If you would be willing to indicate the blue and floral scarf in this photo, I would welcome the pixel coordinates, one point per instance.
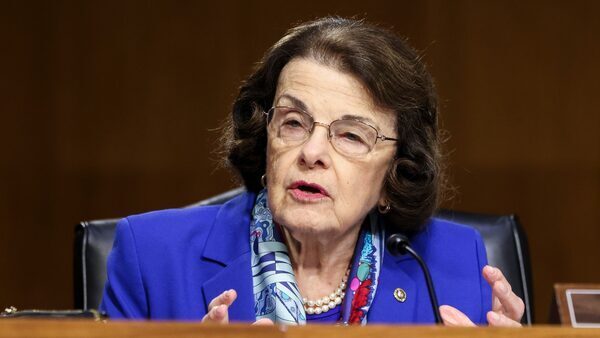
(276, 294)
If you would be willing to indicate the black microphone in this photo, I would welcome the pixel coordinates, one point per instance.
(398, 244)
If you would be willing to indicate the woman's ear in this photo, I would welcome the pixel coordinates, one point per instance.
(383, 205)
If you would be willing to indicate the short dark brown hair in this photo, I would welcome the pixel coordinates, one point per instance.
(396, 79)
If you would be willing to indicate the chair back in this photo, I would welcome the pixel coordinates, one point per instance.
(503, 236)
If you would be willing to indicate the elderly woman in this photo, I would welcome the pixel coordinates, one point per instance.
(335, 138)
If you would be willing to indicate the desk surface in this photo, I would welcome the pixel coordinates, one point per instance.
(85, 328)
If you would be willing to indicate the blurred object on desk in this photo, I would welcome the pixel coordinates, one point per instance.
(576, 305)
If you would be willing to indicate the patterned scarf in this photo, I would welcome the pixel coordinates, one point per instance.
(276, 294)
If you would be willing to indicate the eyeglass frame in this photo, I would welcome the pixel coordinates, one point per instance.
(378, 137)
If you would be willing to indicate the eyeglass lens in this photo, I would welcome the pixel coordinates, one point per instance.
(349, 137)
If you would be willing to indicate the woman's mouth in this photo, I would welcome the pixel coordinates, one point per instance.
(305, 191)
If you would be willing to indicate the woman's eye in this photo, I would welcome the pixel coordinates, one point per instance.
(293, 123)
(352, 137)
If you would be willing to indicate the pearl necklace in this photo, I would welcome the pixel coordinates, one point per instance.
(327, 303)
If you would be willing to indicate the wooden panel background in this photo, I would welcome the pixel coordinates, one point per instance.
(109, 108)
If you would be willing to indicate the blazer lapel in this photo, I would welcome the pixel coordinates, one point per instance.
(229, 245)
(404, 273)
(237, 276)
(385, 307)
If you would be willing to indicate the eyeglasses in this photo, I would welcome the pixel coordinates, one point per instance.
(349, 137)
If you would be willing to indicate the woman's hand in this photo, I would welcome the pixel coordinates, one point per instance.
(507, 308)
(218, 309)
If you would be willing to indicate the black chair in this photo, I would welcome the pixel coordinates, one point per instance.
(504, 239)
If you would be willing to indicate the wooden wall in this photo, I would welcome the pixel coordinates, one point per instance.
(109, 108)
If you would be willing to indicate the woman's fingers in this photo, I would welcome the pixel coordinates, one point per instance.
(496, 319)
(218, 308)
(263, 321)
(507, 308)
(512, 306)
(453, 317)
(504, 301)
(218, 314)
(226, 298)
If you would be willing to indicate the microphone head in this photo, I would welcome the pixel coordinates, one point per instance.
(396, 244)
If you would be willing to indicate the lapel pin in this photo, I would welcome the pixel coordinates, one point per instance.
(400, 295)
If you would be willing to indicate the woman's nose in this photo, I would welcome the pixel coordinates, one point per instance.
(316, 150)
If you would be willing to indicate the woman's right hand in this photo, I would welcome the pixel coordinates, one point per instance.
(218, 309)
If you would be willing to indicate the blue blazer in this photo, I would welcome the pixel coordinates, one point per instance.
(170, 264)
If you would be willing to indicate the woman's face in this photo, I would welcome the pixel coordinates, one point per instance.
(312, 187)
